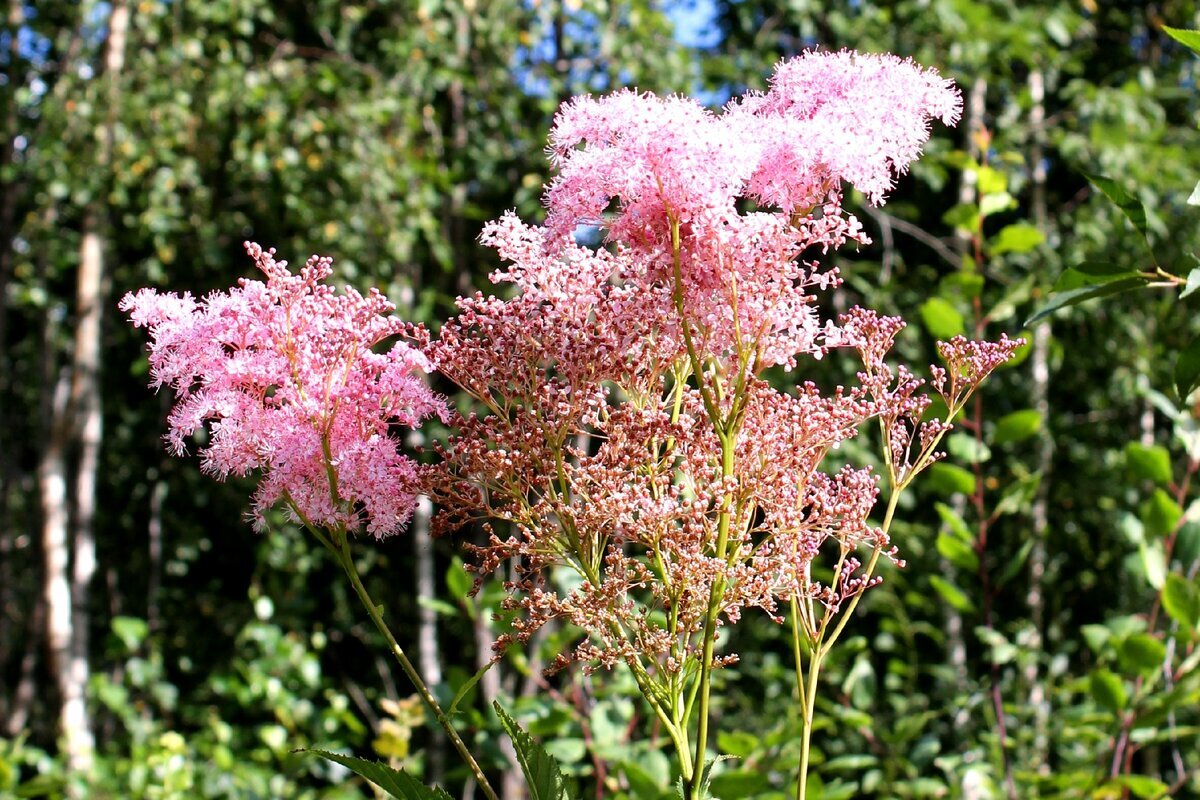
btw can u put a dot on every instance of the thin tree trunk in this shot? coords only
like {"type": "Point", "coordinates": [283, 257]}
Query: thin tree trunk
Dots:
{"type": "Point", "coordinates": [428, 651]}
{"type": "Point", "coordinates": [511, 785]}
{"type": "Point", "coordinates": [77, 740]}
{"type": "Point", "coordinates": [76, 427]}
{"type": "Point", "coordinates": [21, 707]}
{"type": "Point", "coordinates": [1040, 358]}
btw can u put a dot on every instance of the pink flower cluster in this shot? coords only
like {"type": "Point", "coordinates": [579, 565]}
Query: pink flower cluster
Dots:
{"type": "Point", "coordinates": [649, 482]}
{"type": "Point", "coordinates": [286, 377]}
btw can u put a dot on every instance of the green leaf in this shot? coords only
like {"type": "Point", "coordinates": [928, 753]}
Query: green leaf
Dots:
{"type": "Point", "coordinates": [952, 594]}
{"type": "Point", "coordinates": [1141, 786]}
{"type": "Point", "coordinates": [941, 318]}
{"type": "Point", "coordinates": [963, 215]}
{"type": "Point", "coordinates": [957, 552]}
{"type": "Point", "coordinates": [996, 202]}
{"type": "Point", "coordinates": [739, 783]}
{"type": "Point", "coordinates": [545, 780]}
{"type": "Point", "coordinates": [1149, 463]}
{"type": "Point", "coordinates": [954, 523]}
{"type": "Point", "coordinates": [1013, 567]}
{"type": "Point", "coordinates": [1193, 279]}
{"type": "Point", "coordinates": [1076, 296]}
{"type": "Point", "coordinates": [1108, 690]}
{"type": "Point", "coordinates": [1090, 273]}
{"type": "Point", "coordinates": [1194, 197]}
{"type": "Point", "coordinates": [1160, 514]}
{"type": "Point", "coordinates": [458, 580]}
{"type": "Point", "coordinates": [951, 479]}
{"type": "Point", "coordinates": [1141, 654]}
{"type": "Point", "coordinates": [1188, 38]}
{"type": "Point", "coordinates": [1130, 206]}
{"type": "Point", "coordinates": [132, 631]}
{"type": "Point", "coordinates": [1154, 562]}
{"type": "Point", "coordinates": [467, 687]}
{"type": "Point", "coordinates": [1187, 370]}
{"type": "Point", "coordinates": [395, 782]}
{"type": "Point", "coordinates": [1017, 426]}
{"type": "Point", "coordinates": [1002, 651]}
{"type": "Point", "coordinates": [1020, 237]}
{"type": "Point", "coordinates": [1181, 600]}
{"type": "Point", "coordinates": [966, 448]}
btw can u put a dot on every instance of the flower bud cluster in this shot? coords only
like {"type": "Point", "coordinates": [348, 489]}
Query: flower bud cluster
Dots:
{"type": "Point", "coordinates": [644, 481]}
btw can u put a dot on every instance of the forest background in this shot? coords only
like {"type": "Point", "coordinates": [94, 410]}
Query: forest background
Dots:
{"type": "Point", "coordinates": [151, 645]}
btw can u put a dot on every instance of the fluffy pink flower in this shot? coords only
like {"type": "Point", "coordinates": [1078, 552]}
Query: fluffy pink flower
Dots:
{"type": "Point", "coordinates": [285, 376]}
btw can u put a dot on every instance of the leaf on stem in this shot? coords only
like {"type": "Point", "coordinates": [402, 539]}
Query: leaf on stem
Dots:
{"type": "Point", "coordinates": [1130, 206]}
{"type": "Point", "coordinates": [1187, 370]}
{"type": "Point", "coordinates": [545, 780]}
{"type": "Point", "coordinates": [395, 782]}
{"type": "Point", "coordinates": [1076, 296]}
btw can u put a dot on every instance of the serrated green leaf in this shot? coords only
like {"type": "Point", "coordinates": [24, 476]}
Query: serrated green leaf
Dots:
{"type": "Point", "coordinates": [951, 479]}
{"type": "Point", "coordinates": [396, 782]}
{"type": "Point", "coordinates": [1187, 370]}
{"type": "Point", "coordinates": [951, 594]}
{"type": "Point", "coordinates": [1130, 206]}
{"type": "Point", "coordinates": [941, 318]}
{"type": "Point", "coordinates": [1108, 690]}
{"type": "Point", "coordinates": [1141, 654]}
{"type": "Point", "coordinates": [1020, 237]}
{"type": "Point", "coordinates": [1181, 600]}
{"type": "Point", "coordinates": [545, 780]}
{"type": "Point", "coordinates": [1017, 426]}
{"type": "Point", "coordinates": [1149, 463]}
{"type": "Point", "coordinates": [1076, 296]}
{"type": "Point", "coordinates": [1188, 38]}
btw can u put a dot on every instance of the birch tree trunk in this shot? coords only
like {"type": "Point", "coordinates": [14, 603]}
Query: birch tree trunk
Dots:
{"type": "Point", "coordinates": [1040, 359]}
{"type": "Point", "coordinates": [76, 429]}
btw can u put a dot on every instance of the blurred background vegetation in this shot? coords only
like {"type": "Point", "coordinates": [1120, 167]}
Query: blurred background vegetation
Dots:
{"type": "Point", "coordinates": [1041, 641]}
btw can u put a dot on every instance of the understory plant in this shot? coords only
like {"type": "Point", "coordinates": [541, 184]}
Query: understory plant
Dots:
{"type": "Point", "coordinates": [624, 441]}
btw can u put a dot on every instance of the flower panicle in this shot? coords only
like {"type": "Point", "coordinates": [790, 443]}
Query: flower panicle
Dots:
{"type": "Point", "coordinates": [285, 378]}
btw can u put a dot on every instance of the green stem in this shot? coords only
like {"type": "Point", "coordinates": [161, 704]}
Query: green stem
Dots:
{"type": "Point", "coordinates": [710, 620]}
{"type": "Point", "coordinates": [341, 550]}
{"type": "Point", "coordinates": [810, 704]}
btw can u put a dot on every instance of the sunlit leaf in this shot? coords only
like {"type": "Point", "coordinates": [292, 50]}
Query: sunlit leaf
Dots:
{"type": "Point", "coordinates": [1151, 463]}
{"type": "Point", "coordinates": [395, 782]}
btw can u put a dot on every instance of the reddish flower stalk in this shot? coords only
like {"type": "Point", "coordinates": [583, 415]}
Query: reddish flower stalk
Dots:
{"type": "Point", "coordinates": [701, 493]}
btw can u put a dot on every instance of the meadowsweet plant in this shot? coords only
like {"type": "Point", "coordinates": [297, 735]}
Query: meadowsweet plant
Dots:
{"type": "Point", "coordinates": [622, 446]}
{"type": "Point", "coordinates": [624, 434]}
